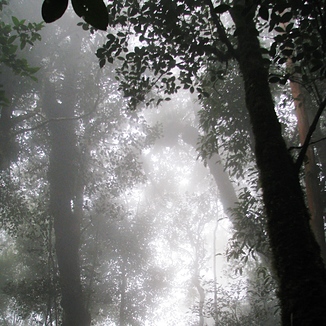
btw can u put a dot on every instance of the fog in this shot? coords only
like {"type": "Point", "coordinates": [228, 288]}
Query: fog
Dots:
{"type": "Point", "coordinates": [160, 236]}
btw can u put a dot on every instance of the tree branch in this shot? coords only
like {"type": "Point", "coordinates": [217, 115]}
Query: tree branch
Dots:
{"type": "Point", "coordinates": [221, 30]}
{"type": "Point", "coordinates": [311, 130]}
{"type": "Point", "coordinates": [311, 143]}
{"type": "Point", "coordinates": [44, 123]}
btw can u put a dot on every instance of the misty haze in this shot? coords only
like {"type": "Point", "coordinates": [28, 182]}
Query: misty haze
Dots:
{"type": "Point", "coordinates": [162, 163]}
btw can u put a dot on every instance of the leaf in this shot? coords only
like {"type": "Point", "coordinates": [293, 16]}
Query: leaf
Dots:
{"type": "Point", "coordinates": [222, 8]}
{"type": "Point", "coordinates": [22, 44]}
{"type": "Point", "coordinates": [15, 21]}
{"type": "Point", "coordinates": [85, 27]}
{"type": "Point", "coordinates": [274, 79]}
{"type": "Point", "coordinates": [289, 27]}
{"type": "Point", "coordinates": [53, 9]}
{"type": "Point", "coordinates": [287, 52]}
{"type": "Point", "coordinates": [272, 51]}
{"type": "Point", "coordinates": [11, 39]}
{"type": "Point", "coordinates": [286, 17]}
{"type": "Point", "coordinates": [263, 12]}
{"type": "Point", "coordinates": [306, 10]}
{"type": "Point", "coordinates": [279, 29]}
{"type": "Point", "coordinates": [102, 62]}
{"type": "Point", "coordinates": [94, 12]}
{"type": "Point", "coordinates": [33, 70]}
{"type": "Point", "coordinates": [317, 64]}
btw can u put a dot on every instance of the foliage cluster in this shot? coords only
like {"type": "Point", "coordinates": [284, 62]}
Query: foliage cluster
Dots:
{"type": "Point", "coordinates": [18, 31]}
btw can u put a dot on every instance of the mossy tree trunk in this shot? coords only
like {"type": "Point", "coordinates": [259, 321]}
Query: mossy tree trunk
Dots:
{"type": "Point", "coordinates": [297, 260]}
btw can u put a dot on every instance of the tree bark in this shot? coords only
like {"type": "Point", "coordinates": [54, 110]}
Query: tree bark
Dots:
{"type": "Point", "coordinates": [296, 254]}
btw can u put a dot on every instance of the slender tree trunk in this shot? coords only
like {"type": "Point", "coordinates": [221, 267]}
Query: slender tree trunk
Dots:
{"type": "Point", "coordinates": [193, 239]}
{"type": "Point", "coordinates": [296, 254]}
{"type": "Point", "coordinates": [216, 312]}
{"type": "Point", "coordinates": [201, 302]}
{"type": "Point", "coordinates": [6, 139]}
{"type": "Point", "coordinates": [123, 299]}
{"type": "Point", "coordinates": [62, 178]}
{"type": "Point", "coordinates": [227, 193]}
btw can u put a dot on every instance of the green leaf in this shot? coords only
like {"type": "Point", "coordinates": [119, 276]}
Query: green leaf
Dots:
{"type": "Point", "coordinates": [33, 70]}
{"type": "Point", "coordinates": [15, 21]}
{"type": "Point", "coordinates": [11, 39]}
{"type": "Point", "coordinates": [33, 78]}
{"type": "Point", "coordinates": [53, 9]}
{"type": "Point", "coordinates": [22, 44]}
{"type": "Point", "coordinates": [93, 12]}
{"type": "Point", "coordinates": [12, 49]}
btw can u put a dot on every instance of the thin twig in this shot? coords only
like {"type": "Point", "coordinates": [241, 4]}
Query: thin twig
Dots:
{"type": "Point", "coordinates": [311, 143]}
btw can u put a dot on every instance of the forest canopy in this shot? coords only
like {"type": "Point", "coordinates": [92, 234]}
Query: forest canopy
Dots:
{"type": "Point", "coordinates": [99, 216]}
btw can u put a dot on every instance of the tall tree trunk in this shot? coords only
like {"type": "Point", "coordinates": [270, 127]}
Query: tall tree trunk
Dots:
{"type": "Point", "coordinates": [297, 260]}
{"type": "Point", "coordinates": [313, 190]}
{"type": "Point", "coordinates": [62, 178]}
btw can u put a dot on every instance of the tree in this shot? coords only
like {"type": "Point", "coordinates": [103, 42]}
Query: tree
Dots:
{"type": "Point", "coordinates": [313, 190]}
{"type": "Point", "coordinates": [15, 35]}
{"type": "Point", "coordinates": [191, 32]}
{"type": "Point", "coordinates": [81, 132]}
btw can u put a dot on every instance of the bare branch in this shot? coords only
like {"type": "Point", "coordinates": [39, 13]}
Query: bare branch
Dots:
{"type": "Point", "coordinates": [44, 123]}
{"type": "Point", "coordinates": [311, 143]}
{"type": "Point", "coordinates": [311, 130]}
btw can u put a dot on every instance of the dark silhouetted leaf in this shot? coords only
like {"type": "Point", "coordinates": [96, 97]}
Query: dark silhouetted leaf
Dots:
{"type": "Point", "coordinates": [222, 8]}
{"type": "Point", "coordinates": [94, 12]}
{"type": "Point", "coordinates": [102, 63]}
{"type": "Point", "coordinates": [279, 29]}
{"type": "Point", "coordinates": [317, 64]}
{"type": "Point", "coordinates": [53, 9]}
{"type": "Point", "coordinates": [274, 79]}
{"type": "Point", "coordinates": [285, 18]}
{"type": "Point", "coordinates": [263, 13]}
